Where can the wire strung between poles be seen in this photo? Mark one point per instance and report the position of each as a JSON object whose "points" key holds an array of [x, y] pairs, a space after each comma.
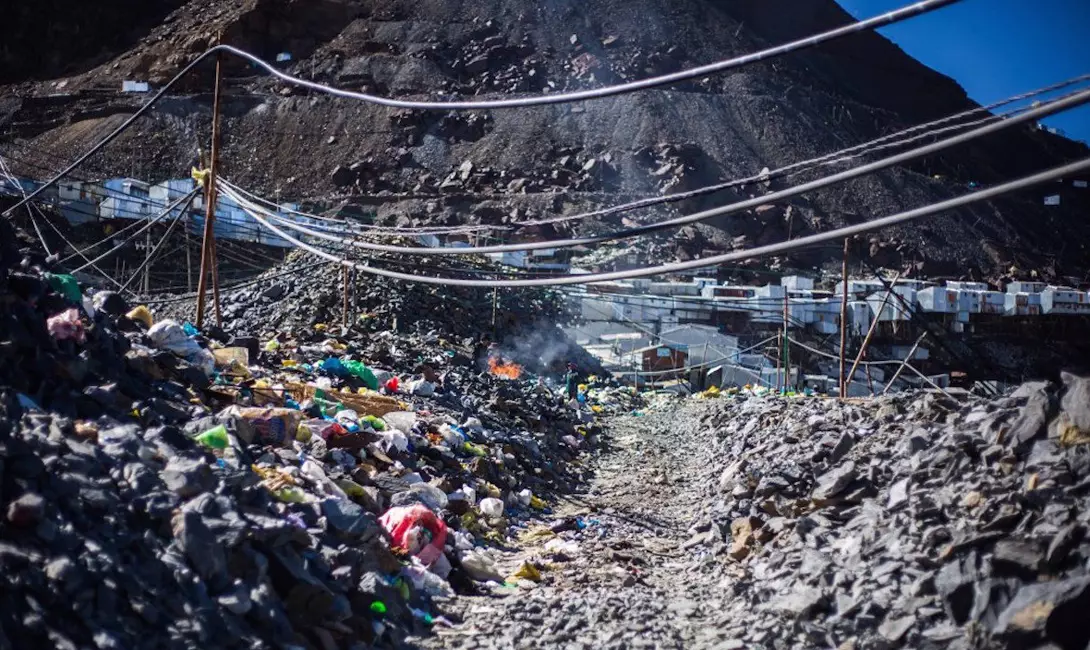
{"points": [[1051, 108], [888, 141], [675, 267], [151, 222]]}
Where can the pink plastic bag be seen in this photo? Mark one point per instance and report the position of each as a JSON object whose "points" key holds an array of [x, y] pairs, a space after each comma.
{"points": [[417, 531], [67, 325]]}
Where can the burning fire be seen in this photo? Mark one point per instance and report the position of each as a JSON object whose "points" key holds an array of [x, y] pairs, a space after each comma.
{"points": [[497, 367]]}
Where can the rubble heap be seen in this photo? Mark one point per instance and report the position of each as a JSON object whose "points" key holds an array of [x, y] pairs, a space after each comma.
{"points": [[162, 488], [916, 521]]}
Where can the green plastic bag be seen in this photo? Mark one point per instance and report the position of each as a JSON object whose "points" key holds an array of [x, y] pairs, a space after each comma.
{"points": [[361, 372], [67, 286]]}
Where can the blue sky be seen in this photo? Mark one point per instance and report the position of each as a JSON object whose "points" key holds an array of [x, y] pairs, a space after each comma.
{"points": [[999, 48]]}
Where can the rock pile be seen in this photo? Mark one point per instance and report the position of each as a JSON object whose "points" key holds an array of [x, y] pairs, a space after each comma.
{"points": [[914, 522], [162, 488]]}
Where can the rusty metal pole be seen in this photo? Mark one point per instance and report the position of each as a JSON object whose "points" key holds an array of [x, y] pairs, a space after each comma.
{"points": [[208, 242], [843, 318]]}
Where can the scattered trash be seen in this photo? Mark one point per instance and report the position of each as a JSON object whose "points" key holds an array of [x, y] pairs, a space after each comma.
{"points": [[417, 531], [67, 326], [141, 315], [215, 438], [491, 507]]}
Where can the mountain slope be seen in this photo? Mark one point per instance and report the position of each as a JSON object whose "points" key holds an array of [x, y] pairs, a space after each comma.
{"points": [[412, 167]]}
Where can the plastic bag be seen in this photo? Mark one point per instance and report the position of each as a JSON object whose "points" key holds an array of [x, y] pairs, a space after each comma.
{"points": [[266, 426], [480, 566], [67, 286], [394, 440], [67, 325], [417, 531], [361, 372], [141, 314], [403, 421], [428, 495], [422, 388], [169, 335], [491, 507]]}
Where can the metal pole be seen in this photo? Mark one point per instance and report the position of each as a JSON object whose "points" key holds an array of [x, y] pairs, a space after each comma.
{"points": [[873, 326], [207, 242], [843, 318], [904, 363]]}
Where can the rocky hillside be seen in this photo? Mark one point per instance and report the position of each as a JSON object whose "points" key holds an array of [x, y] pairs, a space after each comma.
{"points": [[441, 168]]}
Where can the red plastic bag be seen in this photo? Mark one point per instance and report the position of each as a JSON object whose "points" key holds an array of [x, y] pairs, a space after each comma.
{"points": [[417, 531], [393, 384]]}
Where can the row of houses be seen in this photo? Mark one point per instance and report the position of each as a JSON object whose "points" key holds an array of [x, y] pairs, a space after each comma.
{"points": [[803, 306], [128, 199]]}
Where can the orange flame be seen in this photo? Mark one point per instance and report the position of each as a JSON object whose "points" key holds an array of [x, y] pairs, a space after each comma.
{"points": [[506, 370]]}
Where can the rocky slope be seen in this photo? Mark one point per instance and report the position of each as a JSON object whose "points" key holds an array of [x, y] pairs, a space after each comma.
{"points": [[503, 165], [748, 522]]}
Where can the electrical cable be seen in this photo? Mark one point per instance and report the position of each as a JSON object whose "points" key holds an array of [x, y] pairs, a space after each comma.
{"points": [[882, 20], [674, 267], [166, 235], [1077, 99], [149, 224], [833, 158], [370, 228], [259, 280], [888, 18]]}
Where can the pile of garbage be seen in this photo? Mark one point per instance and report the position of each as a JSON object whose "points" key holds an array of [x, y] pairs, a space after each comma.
{"points": [[168, 487], [914, 521]]}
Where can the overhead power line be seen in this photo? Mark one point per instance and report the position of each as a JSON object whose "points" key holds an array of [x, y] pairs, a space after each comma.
{"points": [[875, 22], [892, 140], [152, 221], [1056, 106], [888, 18], [674, 267]]}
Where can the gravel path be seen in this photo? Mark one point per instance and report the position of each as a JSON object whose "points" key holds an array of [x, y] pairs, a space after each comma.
{"points": [[629, 579]]}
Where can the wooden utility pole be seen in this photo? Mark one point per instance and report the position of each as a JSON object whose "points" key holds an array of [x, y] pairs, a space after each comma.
{"points": [[843, 318], [495, 306], [344, 313], [208, 242]]}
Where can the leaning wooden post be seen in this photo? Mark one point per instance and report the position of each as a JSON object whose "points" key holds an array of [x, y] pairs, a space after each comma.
{"points": [[208, 241]]}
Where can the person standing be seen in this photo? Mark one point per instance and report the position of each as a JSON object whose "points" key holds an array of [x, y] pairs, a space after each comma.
{"points": [[571, 382]]}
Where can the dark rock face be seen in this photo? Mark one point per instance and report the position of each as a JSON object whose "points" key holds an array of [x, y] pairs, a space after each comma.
{"points": [[927, 531]]}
